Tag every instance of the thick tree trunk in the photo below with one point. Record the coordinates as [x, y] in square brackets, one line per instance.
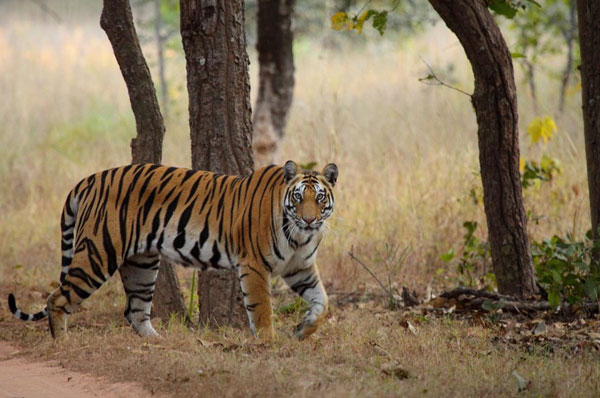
[219, 106]
[117, 22]
[588, 12]
[495, 104]
[276, 78]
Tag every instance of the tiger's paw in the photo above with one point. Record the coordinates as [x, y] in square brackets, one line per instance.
[304, 329]
[145, 329]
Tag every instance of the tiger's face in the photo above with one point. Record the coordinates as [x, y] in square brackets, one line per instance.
[309, 200]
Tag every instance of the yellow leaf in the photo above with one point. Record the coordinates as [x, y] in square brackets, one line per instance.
[550, 164]
[339, 20]
[541, 129]
[521, 165]
[361, 21]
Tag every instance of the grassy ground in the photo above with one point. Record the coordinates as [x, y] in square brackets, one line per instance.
[408, 163]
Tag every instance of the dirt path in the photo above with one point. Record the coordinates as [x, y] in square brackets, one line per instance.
[20, 378]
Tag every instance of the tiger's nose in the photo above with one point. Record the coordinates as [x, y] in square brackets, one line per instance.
[308, 220]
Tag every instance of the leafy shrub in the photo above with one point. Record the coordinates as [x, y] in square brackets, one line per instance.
[565, 269]
[472, 266]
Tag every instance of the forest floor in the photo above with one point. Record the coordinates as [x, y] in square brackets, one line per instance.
[22, 377]
[363, 349]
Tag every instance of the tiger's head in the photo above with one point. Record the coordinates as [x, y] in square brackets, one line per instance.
[308, 199]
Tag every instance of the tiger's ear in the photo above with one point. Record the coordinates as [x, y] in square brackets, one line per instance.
[330, 172]
[290, 169]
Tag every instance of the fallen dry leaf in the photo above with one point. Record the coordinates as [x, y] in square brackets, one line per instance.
[540, 329]
[395, 370]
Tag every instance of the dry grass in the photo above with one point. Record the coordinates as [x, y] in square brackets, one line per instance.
[347, 357]
[407, 155]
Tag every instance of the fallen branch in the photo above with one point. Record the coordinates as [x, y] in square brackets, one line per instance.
[476, 299]
[461, 290]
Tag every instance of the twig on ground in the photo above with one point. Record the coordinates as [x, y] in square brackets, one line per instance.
[386, 290]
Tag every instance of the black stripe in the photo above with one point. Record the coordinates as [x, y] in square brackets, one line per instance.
[111, 254]
[214, 260]
[80, 292]
[154, 231]
[148, 204]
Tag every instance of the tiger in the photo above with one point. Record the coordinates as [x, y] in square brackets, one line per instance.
[269, 223]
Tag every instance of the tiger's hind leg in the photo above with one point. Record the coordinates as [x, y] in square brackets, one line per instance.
[85, 275]
[138, 274]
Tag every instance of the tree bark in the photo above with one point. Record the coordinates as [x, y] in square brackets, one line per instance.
[588, 12]
[495, 103]
[117, 22]
[276, 78]
[218, 85]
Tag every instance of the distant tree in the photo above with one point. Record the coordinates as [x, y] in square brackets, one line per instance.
[495, 103]
[214, 42]
[117, 22]
[546, 31]
[276, 78]
[589, 41]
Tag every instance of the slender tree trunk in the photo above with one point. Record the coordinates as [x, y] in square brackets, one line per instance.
[276, 78]
[117, 22]
[495, 104]
[530, 72]
[160, 52]
[569, 36]
[219, 106]
[588, 12]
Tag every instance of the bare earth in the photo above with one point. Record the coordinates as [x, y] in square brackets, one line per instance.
[20, 378]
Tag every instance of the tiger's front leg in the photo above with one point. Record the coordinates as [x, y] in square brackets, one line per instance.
[307, 283]
[256, 289]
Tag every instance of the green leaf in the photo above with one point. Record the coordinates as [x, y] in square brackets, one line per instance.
[503, 7]
[553, 299]
[471, 226]
[591, 289]
[307, 166]
[534, 3]
[521, 382]
[448, 256]
[380, 22]
[556, 276]
[516, 55]
[428, 77]
[492, 306]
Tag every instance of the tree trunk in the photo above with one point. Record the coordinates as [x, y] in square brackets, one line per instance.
[117, 22]
[569, 36]
[588, 13]
[276, 78]
[214, 43]
[160, 52]
[495, 104]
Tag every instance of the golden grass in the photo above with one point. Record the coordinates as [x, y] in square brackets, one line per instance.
[408, 159]
[347, 357]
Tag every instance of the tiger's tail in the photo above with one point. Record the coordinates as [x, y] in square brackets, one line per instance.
[67, 227]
